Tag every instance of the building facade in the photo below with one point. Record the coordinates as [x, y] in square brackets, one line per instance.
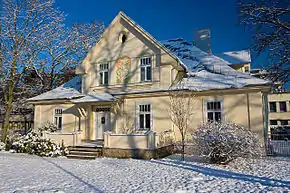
[124, 84]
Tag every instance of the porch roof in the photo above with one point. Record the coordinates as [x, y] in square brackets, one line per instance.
[90, 98]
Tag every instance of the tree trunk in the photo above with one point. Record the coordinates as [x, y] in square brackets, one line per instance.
[9, 104]
[183, 149]
[5, 125]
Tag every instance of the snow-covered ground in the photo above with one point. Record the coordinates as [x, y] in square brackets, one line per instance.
[26, 173]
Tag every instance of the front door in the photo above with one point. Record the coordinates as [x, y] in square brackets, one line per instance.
[102, 123]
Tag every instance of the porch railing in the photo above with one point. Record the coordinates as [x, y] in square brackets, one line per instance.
[147, 140]
[65, 138]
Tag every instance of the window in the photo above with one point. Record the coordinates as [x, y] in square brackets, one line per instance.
[146, 69]
[273, 107]
[283, 107]
[284, 122]
[104, 74]
[273, 122]
[145, 116]
[246, 68]
[124, 38]
[214, 111]
[58, 118]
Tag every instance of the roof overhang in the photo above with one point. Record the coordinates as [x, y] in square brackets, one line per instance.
[95, 98]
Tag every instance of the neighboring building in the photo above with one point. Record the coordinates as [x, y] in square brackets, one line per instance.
[238, 60]
[125, 81]
[279, 110]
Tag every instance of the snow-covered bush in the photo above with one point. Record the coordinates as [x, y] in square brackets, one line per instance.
[48, 126]
[223, 142]
[34, 143]
[2, 146]
[11, 137]
[165, 139]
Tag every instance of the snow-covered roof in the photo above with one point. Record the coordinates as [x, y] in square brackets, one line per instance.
[204, 80]
[236, 57]
[69, 90]
[102, 97]
[208, 71]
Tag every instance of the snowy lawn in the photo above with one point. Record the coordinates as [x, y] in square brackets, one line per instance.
[26, 173]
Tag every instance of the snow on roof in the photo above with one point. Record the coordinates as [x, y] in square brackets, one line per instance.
[103, 97]
[69, 90]
[208, 71]
[236, 57]
[204, 80]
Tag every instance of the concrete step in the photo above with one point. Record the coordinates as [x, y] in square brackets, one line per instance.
[85, 149]
[69, 156]
[89, 153]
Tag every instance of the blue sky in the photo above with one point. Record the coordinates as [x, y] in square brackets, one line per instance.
[166, 19]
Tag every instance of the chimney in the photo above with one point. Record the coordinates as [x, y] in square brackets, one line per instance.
[201, 40]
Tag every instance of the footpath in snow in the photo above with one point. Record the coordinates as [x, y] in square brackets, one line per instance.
[27, 173]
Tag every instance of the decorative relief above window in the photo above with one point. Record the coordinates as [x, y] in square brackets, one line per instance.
[123, 65]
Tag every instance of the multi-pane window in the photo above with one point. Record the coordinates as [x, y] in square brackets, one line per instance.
[144, 117]
[214, 111]
[104, 74]
[58, 118]
[273, 122]
[273, 107]
[247, 69]
[283, 107]
[146, 69]
[284, 122]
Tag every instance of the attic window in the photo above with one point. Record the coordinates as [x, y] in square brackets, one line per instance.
[123, 37]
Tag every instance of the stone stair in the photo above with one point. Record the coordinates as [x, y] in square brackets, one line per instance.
[85, 152]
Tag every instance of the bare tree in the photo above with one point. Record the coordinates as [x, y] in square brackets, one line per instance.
[37, 50]
[86, 35]
[270, 20]
[65, 48]
[22, 23]
[182, 104]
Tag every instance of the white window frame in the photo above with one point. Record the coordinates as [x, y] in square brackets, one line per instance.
[206, 111]
[57, 114]
[138, 113]
[103, 68]
[145, 66]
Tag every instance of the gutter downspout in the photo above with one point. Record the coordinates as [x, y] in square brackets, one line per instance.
[266, 118]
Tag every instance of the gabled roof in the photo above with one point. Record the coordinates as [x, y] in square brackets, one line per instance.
[122, 15]
[236, 57]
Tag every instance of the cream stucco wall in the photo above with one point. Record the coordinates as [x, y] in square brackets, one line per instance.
[109, 49]
[242, 108]
[45, 113]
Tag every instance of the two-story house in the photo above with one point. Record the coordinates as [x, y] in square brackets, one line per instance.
[126, 78]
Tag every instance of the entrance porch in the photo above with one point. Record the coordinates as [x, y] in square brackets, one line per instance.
[97, 116]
